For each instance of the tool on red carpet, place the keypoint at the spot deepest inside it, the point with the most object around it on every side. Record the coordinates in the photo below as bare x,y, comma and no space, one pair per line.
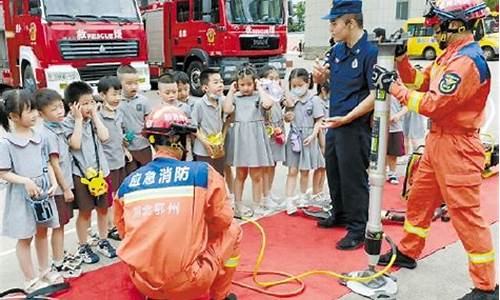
399,216
40,294
263,286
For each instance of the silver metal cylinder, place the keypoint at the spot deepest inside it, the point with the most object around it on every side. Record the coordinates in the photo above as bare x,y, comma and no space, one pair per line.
380,134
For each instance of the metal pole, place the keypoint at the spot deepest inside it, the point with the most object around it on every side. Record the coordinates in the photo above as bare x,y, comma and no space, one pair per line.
378,154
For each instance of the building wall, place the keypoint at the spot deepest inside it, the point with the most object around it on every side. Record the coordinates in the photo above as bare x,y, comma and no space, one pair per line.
376,13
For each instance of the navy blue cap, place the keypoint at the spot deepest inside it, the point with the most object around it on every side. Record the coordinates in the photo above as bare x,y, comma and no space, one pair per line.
343,7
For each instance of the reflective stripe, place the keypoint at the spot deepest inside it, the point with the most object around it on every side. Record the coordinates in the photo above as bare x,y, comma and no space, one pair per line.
421,232
152,194
417,82
232,262
414,101
482,258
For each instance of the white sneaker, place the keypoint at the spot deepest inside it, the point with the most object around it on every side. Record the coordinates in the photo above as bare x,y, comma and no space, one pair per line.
291,208
67,270
304,200
261,210
321,200
275,198
51,276
393,179
94,238
279,202
270,205
242,211
35,284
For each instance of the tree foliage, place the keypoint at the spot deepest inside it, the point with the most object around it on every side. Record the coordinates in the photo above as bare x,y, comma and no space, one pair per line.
296,22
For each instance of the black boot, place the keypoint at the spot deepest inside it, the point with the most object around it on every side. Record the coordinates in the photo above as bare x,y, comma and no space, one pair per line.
477,294
331,222
352,241
401,260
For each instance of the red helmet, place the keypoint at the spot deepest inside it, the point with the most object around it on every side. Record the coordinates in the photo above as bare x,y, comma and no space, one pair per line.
463,10
169,121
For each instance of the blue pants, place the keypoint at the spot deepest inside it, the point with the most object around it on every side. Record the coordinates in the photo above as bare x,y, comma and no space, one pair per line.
347,161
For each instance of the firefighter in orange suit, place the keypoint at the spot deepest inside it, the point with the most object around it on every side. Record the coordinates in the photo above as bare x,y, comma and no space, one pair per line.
452,93
179,239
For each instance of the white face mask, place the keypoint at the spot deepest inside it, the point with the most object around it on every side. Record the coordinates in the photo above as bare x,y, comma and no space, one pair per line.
273,88
214,96
299,91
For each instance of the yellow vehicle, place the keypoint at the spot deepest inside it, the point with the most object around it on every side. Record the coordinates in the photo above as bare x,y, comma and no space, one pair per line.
422,43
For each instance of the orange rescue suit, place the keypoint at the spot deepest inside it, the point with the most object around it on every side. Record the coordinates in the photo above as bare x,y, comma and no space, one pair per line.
179,238
452,92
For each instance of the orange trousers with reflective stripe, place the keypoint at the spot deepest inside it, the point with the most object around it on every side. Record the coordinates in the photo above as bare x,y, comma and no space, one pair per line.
207,275
450,171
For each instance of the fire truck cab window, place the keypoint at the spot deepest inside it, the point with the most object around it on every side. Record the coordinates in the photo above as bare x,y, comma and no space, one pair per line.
182,11
255,11
206,10
19,7
92,10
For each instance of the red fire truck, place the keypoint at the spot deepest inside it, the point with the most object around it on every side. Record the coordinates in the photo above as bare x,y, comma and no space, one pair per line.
191,35
50,43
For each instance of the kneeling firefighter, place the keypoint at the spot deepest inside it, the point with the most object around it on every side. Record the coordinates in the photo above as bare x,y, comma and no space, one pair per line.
452,92
179,239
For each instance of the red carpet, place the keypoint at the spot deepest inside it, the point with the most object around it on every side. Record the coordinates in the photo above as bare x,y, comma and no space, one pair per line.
295,245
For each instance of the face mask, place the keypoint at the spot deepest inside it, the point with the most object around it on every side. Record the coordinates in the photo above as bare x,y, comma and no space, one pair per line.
299,92
53,124
214,96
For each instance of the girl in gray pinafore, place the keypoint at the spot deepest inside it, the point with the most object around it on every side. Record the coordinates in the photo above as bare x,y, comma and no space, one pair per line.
270,79
24,165
252,152
319,175
302,148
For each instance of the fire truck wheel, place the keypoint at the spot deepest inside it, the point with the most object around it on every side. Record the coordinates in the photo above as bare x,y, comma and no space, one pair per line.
194,71
29,82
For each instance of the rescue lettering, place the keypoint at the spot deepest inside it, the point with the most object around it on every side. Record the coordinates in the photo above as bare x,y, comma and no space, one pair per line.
82,34
157,209
166,175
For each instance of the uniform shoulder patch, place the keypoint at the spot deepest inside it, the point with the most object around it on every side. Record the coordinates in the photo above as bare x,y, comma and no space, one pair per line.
449,83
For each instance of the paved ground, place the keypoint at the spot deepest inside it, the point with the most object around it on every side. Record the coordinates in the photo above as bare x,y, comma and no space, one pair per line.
443,275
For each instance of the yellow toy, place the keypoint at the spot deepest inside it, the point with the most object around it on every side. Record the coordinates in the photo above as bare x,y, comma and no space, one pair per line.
490,155
95,182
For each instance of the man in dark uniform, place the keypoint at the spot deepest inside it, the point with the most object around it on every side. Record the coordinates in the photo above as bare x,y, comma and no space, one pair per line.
351,102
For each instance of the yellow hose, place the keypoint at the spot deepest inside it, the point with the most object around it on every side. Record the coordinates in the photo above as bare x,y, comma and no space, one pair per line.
291,278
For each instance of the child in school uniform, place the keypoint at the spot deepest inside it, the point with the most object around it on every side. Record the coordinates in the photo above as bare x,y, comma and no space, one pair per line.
184,96
134,107
275,128
109,89
51,107
86,132
248,102
169,93
208,117
229,156
29,208
396,141
319,175
183,88
303,153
